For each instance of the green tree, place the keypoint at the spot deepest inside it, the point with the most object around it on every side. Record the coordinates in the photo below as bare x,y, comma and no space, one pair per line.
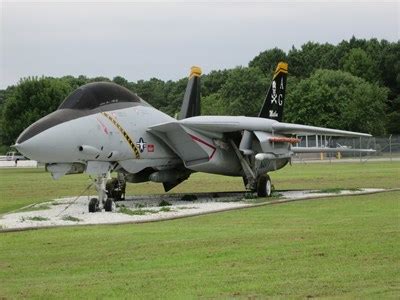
151,91
211,83
75,82
360,64
337,99
99,79
267,60
390,66
243,91
30,100
393,117
312,56
213,105
121,81
175,92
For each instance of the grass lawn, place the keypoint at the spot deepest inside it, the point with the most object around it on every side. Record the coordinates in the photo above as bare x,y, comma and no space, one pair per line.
337,247
20,187
334,247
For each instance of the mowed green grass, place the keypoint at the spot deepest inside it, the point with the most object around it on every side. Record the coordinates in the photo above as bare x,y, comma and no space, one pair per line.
337,247
334,247
21,187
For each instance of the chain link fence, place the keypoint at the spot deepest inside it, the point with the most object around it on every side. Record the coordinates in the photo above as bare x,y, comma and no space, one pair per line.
386,148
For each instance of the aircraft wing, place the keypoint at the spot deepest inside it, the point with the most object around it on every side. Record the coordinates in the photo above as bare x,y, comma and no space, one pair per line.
193,139
287,128
224,124
329,150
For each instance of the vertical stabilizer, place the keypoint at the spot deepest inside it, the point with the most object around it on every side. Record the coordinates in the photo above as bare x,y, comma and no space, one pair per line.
191,100
274,101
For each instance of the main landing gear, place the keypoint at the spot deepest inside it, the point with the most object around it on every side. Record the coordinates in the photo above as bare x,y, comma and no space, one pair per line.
264,186
252,181
116,188
109,190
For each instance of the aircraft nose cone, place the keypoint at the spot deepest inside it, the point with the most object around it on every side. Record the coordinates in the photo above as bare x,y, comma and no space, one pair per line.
34,129
19,147
26,143
48,140
31,147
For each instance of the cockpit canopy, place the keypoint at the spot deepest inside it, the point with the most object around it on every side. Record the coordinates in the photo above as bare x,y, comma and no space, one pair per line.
88,99
96,94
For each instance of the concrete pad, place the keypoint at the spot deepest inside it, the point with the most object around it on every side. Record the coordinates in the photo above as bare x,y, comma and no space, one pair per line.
146,208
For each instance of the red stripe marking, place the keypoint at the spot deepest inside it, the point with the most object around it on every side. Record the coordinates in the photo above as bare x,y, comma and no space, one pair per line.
195,138
284,140
104,127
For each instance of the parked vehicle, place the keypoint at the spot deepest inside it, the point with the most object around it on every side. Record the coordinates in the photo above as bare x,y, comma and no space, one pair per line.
13,156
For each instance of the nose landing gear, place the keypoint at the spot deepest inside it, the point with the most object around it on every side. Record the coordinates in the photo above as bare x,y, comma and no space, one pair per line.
109,190
96,204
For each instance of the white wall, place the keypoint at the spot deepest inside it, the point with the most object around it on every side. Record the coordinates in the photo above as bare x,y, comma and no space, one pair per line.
20,164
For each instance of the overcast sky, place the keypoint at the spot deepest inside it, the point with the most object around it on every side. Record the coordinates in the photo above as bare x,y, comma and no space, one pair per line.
163,39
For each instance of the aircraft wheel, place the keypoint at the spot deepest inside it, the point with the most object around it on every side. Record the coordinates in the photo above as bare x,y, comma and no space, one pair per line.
115,189
264,186
111,185
93,205
108,206
118,195
122,191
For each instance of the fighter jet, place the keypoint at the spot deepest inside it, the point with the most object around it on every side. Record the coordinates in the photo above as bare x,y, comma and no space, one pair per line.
102,127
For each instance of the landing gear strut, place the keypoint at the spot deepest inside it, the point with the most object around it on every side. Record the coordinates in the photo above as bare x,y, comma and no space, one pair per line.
96,204
261,183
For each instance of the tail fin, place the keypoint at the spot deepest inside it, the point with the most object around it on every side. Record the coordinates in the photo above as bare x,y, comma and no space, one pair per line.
191,100
273,103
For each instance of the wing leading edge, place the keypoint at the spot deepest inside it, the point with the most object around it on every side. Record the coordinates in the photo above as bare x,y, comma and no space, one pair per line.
287,128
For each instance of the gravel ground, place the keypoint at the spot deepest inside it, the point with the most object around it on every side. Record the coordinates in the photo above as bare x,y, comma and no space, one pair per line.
74,211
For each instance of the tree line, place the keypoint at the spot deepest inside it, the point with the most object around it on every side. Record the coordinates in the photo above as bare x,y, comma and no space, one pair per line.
354,85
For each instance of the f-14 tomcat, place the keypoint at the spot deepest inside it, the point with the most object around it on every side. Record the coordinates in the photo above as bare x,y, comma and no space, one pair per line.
103,127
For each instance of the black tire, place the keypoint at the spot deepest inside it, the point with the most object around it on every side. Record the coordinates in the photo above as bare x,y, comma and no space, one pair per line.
93,205
108,205
115,189
122,191
268,186
264,186
117,194
111,185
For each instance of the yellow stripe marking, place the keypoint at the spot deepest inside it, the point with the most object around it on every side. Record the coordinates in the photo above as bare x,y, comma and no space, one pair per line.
282,67
124,133
195,72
